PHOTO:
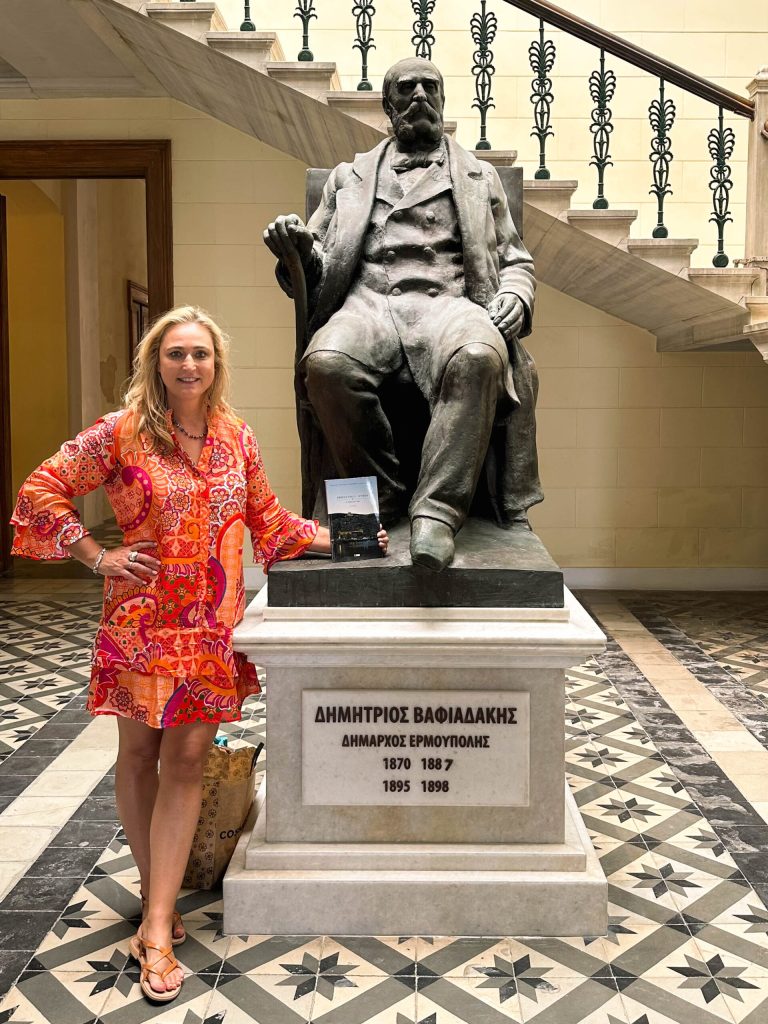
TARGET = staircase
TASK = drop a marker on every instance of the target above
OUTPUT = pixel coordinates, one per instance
(588, 253)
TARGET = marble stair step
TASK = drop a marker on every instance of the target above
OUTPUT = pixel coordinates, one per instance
(253, 49)
(314, 77)
(671, 254)
(195, 19)
(365, 106)
(497, 157)
(731, 283)
(757, 334)
(758, 308)
(549, 195)
(611, 226)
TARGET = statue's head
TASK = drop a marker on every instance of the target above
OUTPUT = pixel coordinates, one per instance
(413, 96)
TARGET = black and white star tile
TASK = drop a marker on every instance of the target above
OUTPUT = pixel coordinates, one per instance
(687, 941)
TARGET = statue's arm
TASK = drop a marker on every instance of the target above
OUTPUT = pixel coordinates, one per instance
(314, 262)
(516, 275)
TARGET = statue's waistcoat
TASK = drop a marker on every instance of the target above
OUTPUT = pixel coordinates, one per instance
(413, 246)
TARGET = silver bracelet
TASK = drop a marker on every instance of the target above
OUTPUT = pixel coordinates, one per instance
(97, 563)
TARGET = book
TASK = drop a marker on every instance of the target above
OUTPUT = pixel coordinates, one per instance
(353, 518)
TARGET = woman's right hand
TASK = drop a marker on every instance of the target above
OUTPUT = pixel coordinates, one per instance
(144, 566)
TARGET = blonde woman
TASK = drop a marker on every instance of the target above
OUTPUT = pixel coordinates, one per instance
(185, 477)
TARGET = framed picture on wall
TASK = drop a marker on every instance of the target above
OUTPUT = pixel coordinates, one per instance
(138, 317)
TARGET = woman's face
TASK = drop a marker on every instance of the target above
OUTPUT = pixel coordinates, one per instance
(186, 362)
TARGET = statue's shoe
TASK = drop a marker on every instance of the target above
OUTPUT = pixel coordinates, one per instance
(431, 543)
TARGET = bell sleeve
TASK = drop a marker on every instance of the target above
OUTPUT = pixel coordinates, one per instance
(276, 533)
(45, 519)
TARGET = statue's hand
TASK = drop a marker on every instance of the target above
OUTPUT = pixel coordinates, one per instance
(507, 314)
(287, 235)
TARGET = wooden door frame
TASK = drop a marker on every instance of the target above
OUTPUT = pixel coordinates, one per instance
(5, 405)
(114, 158)
(150, 160)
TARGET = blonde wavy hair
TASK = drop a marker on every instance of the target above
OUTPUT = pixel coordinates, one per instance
(145, 396)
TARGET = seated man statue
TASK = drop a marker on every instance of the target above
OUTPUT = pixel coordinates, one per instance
(415, 272)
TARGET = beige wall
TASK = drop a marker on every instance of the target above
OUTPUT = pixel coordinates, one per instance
(724, 42)
(37, 326)
(648, 460)
(122, 243)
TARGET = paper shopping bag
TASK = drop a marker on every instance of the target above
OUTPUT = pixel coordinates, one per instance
(228, 786)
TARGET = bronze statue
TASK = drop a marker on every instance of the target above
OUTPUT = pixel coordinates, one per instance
(419, 290)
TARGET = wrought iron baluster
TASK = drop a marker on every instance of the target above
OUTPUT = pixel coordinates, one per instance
(721, 142)
(661, 114)
(305, 10)
(602, 86)
(423, 37)
(247, 25)
(541, 56)
(364, 11)
(483, 27)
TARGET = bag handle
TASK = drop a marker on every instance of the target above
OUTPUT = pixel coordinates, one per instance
(256, 752)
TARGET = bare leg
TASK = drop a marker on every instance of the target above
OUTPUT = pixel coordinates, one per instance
(136, 787)
(183, 750)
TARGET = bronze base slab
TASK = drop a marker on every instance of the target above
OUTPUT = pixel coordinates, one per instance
(493, 568)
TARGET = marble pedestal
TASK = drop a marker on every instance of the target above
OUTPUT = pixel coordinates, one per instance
(365, 827)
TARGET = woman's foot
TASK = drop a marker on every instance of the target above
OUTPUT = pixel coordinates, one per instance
(161, 975)
(178, 932)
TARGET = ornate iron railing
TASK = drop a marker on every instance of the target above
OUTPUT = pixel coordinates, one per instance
(423, 37)
(305, 11)
(541, 56)
(364, 12)
(483, 28)
(662, 116)
(721, 140)
(247, 23)
(602, 85)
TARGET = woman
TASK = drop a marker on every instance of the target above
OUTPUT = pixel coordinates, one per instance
(185, 477)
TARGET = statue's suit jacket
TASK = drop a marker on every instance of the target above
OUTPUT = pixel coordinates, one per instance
(495, 261)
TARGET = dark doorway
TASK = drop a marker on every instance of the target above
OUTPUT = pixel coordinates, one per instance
(148, 161)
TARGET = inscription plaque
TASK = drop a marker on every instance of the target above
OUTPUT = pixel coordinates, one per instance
(402, 748)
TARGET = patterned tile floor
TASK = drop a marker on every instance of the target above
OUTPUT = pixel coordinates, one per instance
(685, 853)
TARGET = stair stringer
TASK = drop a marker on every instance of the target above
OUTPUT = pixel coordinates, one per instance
(225, 88)
(681, 315)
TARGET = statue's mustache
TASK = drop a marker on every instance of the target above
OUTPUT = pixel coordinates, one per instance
(420, 107)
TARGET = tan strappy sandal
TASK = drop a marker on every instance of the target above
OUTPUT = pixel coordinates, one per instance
(139, 947)
(176, 922)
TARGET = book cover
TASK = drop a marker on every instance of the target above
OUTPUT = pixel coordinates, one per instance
(353, 518)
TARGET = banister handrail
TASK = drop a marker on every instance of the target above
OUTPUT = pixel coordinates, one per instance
(637, 56)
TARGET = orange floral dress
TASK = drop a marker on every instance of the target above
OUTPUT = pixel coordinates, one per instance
(163, 651)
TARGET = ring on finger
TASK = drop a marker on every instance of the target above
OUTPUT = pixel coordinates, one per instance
(133, 556)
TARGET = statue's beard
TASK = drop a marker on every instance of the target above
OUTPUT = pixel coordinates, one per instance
(419, 135)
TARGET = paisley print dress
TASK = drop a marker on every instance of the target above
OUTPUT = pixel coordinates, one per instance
(163, 651)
